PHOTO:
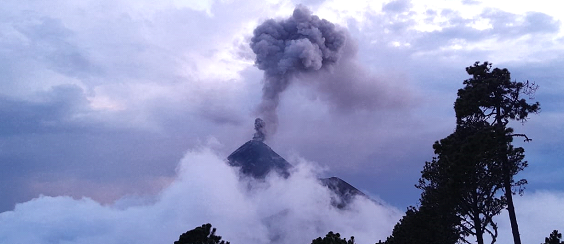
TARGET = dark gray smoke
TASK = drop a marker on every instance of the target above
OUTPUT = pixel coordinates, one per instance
(301, 43)
(321, 56)
(259, 128)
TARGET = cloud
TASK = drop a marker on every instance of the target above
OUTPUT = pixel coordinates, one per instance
(57, 110)
(295, 210)
(86, 85)
(470, 2)
(506, 25)
(158, 77)
(350, 86)
(538, 214)
(396, 6)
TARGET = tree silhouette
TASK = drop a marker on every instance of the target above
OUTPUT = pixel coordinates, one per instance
(332, 238)
(554, 238)
(464, 179)
(429, 224)
(200, 235)
(461, 183)
(490, 96)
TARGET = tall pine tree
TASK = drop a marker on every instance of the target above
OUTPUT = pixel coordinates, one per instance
(461, 184)
(464, 178)
(490, 96)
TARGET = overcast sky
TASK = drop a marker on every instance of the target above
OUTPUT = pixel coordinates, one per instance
(102, 99)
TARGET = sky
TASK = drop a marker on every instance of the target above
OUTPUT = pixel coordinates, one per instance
(103, 103)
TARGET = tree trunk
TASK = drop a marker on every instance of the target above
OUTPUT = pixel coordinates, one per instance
(477, 221)
(511, 210)
(507, 176)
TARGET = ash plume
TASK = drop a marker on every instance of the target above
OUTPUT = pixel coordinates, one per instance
(259, 128)
(303, 43)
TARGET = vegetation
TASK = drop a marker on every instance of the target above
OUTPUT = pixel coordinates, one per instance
(426, 225)
(333, 238)
(461, 184)
(491, 97)
(464, 179)
(201, 235)
(554, 238)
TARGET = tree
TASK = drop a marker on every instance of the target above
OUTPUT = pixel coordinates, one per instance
(428, 224)
(332, 238)
(461, 184)
(464, 179)
(491, 96)
(201, 235)
(554, 238)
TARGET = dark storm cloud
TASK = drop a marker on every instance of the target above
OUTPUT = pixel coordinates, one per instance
(54, 112)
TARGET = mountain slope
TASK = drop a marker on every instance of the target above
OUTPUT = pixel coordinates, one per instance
(256, 159)
(343, 189)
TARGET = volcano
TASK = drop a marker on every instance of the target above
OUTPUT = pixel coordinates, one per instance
(256, 159)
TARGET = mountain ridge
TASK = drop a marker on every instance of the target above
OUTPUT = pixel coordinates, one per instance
(256, 159)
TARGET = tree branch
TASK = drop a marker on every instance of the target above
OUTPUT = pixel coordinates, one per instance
(523, 135)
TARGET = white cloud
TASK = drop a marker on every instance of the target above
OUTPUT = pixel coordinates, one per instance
(160, 75)
(538, 214)
(295, 210)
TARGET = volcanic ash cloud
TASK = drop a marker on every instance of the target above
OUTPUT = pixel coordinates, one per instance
(300, 44)
(320, 55)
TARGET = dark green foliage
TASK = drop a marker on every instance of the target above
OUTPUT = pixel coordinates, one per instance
(426, 225)
(464, 179)
(200, 235)
(461, 184)
(491, 93)
(332, 238)
(554, 238)
(491, 97)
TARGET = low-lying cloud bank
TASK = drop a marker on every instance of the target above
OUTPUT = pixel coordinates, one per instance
(538, 214)
(293, 210)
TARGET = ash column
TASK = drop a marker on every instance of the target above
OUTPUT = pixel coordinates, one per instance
(260, 130)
